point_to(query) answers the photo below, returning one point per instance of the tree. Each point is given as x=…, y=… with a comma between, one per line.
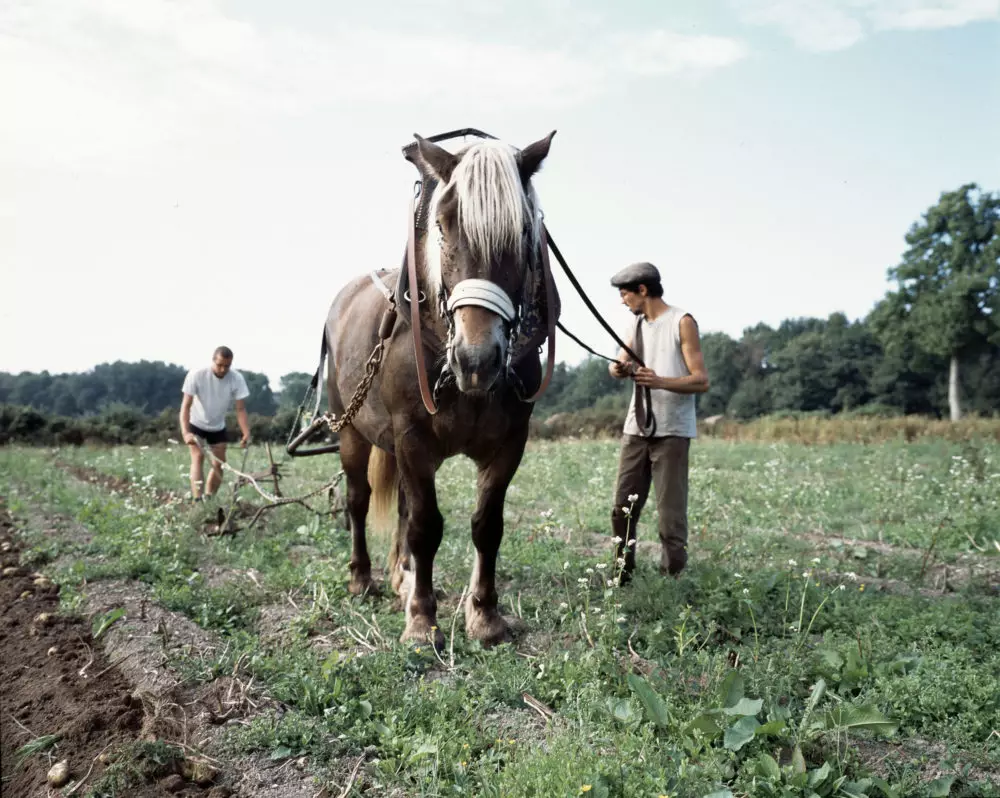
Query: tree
x=293, y=389
x=261, y=400
x=948, y=283
x=721, y=355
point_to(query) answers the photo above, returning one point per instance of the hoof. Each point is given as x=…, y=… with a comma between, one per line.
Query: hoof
x=363, y=587
x=421, y=632
x=486, y=626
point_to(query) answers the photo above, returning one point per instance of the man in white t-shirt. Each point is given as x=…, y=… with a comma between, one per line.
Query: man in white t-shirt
x=661, y=421
x=208, y=392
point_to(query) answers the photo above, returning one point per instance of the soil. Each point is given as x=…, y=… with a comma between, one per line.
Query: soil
x=129, y=695
x=112, y=483
x=42, y=691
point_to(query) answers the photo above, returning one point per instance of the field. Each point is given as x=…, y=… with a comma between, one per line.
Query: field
x=837, y=633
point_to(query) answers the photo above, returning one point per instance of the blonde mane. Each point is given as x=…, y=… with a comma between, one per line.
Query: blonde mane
x=493, y=208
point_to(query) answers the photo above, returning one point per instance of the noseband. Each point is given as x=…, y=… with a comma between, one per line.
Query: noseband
x=483, y=294
x=476, y=293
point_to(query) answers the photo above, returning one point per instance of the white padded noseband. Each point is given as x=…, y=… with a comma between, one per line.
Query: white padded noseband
x=483, y=294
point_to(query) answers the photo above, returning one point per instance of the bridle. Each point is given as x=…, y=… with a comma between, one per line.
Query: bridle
x=481, y=293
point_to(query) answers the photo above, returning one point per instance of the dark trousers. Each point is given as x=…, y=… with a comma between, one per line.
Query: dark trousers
x=662, y=462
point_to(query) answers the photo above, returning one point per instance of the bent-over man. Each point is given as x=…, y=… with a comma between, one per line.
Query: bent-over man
x=208, y=393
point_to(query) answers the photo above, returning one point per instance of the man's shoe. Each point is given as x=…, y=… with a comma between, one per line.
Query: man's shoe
x=673, y=562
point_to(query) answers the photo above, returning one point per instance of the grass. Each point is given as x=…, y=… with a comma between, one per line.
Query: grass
x=836, y=633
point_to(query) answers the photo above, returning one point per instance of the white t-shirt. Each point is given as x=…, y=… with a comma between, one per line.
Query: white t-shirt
x=661, y=344
x=212, y=396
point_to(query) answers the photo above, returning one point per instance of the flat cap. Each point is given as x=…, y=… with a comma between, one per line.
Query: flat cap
x=636, y=273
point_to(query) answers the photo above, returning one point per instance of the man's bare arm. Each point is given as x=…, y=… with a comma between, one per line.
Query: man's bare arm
x=186, y=434
x=697, y=380
x=243, y=420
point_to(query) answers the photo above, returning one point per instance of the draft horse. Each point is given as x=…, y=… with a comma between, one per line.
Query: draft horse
x=483, y=247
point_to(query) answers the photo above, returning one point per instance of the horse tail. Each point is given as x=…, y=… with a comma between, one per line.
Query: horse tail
x=383, y=478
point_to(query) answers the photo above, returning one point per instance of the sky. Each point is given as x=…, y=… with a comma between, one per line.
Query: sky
x=180, y=174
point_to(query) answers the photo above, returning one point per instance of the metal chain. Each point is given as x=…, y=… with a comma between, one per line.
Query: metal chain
x=360, y=394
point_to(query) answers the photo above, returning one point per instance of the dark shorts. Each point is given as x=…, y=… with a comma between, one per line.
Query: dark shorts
x=210, y=437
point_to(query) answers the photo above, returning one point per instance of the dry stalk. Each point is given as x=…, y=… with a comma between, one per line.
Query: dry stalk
x=354, y=775
x=90, y=770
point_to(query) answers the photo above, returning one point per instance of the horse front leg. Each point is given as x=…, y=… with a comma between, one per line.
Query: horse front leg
x=483, y=620
x=424, y=528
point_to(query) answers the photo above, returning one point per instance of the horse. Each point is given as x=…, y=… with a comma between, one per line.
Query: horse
x=483, y=248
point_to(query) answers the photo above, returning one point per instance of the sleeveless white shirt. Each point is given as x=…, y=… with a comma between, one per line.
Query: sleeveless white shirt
x=661, y=350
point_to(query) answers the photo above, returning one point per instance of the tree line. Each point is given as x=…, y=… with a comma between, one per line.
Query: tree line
x=930, y=346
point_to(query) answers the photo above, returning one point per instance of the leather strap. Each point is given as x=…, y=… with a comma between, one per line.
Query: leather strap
x=418, y=343
x=550, y=307
x=644, y=417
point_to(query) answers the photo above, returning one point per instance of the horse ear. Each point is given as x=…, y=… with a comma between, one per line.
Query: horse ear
x=431, y=160
x=531, y=157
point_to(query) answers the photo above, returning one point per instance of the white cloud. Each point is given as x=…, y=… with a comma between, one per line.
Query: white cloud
x=112, y=79
x=926, y=15
x=661, y=52
x=818, y=25
x=827, y=25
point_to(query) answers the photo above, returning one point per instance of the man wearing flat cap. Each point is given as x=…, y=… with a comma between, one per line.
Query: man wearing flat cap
x=661, y=421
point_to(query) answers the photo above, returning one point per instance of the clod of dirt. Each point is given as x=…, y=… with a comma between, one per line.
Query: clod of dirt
x=43, y=619
x=173, y=783
x=11, y=570
x=59, y=774
x=53, y=650
x=220, y=792
x=44, y=583
x=200, y=773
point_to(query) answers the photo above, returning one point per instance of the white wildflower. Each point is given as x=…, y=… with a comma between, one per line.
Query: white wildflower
x=633, y=497
x=601, y=566
x=792, y=563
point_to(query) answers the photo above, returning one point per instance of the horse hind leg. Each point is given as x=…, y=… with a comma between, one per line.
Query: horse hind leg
x=355, y=452
x=400, y=567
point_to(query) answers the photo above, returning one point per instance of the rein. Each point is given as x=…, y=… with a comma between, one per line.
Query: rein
x=418, y=341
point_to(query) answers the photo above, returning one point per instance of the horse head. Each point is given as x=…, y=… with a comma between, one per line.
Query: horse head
x=484, y=226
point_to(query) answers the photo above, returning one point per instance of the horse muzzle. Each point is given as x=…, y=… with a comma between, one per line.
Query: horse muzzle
x=481, y=311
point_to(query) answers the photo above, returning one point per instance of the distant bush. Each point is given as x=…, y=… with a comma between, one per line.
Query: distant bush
x=120, y=424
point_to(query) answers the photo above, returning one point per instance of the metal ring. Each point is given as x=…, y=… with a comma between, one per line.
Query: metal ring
x=423, y=297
